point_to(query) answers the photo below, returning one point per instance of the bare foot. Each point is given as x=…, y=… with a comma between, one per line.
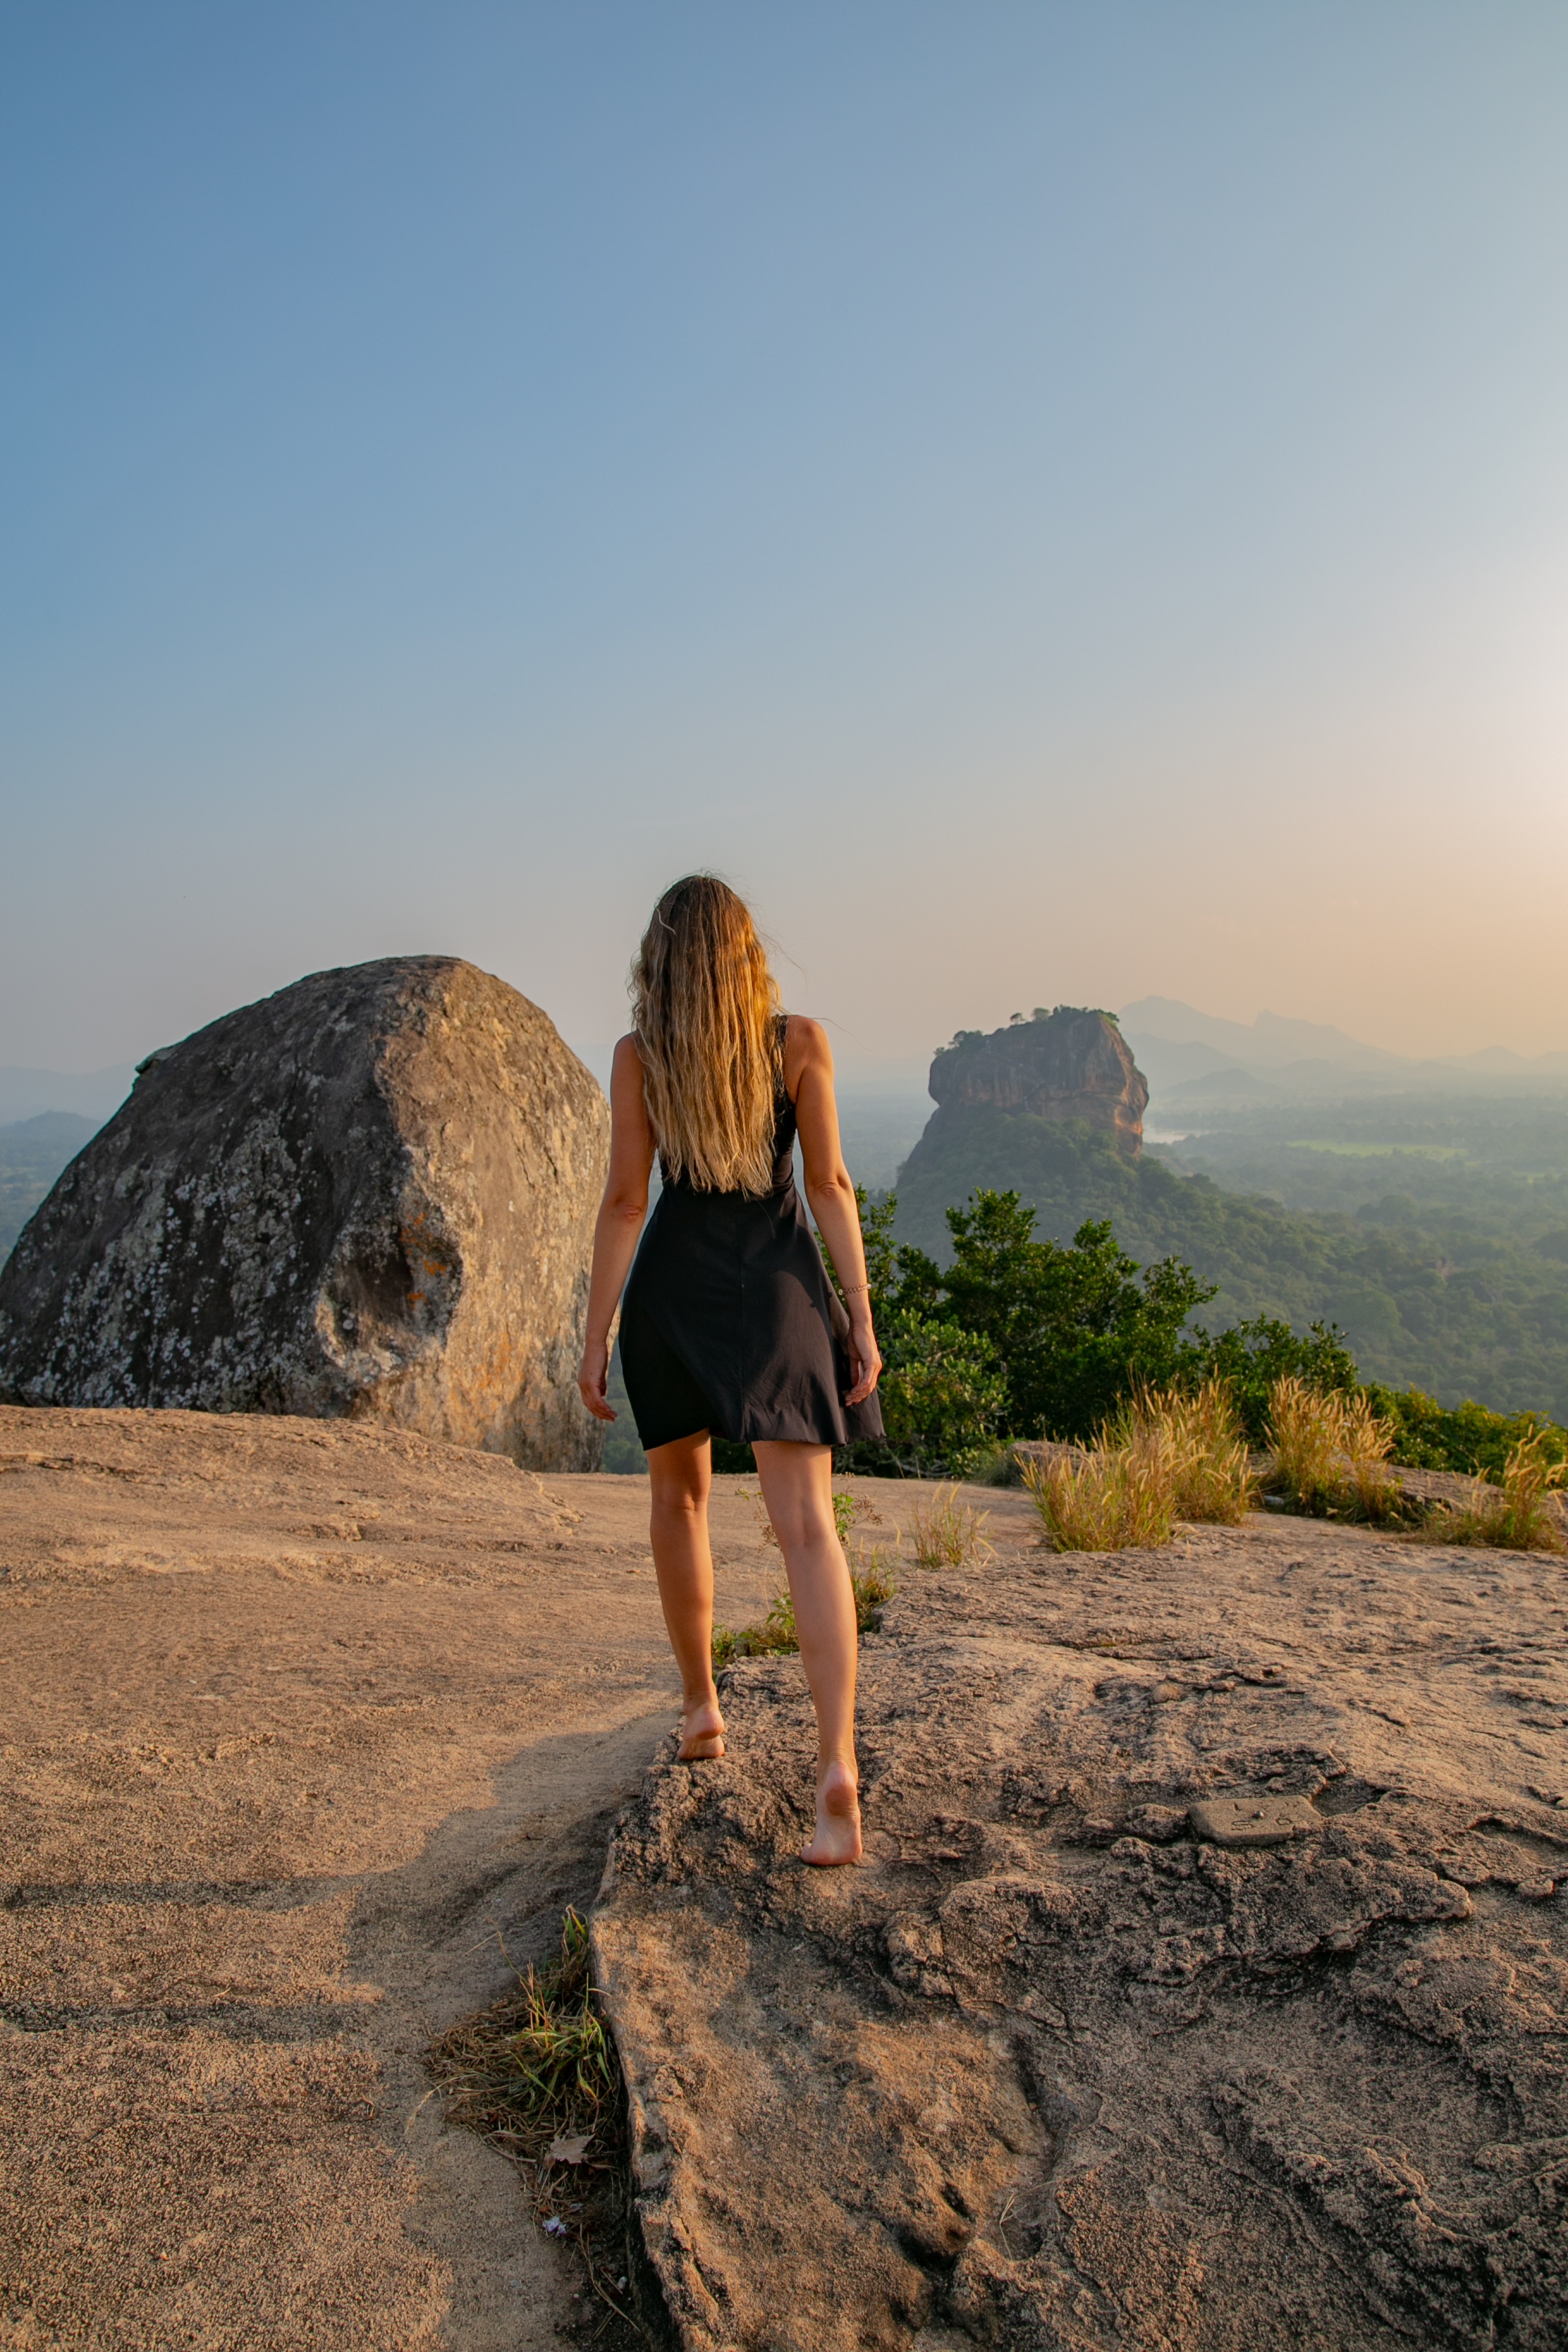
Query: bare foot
x=837, y=1834
x=702, y=1734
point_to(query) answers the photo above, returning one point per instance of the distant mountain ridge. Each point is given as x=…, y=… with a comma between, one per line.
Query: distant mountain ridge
x=1191, y=1056
x=91, y=1094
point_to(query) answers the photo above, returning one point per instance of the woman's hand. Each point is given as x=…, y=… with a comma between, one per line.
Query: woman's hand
x=865, y=1359
x=593, y=1378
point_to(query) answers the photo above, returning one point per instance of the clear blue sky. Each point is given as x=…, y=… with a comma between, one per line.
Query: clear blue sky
x=1056, y=501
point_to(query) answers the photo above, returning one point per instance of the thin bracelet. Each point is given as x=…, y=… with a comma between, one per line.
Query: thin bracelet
x=851, y=1287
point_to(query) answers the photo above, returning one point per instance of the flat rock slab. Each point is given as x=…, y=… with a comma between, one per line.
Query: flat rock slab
x=1058, y=2069
x=1255, y=1821
x=305, y=1727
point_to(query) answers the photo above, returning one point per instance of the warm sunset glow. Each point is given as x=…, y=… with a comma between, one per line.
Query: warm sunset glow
x=1055, y=503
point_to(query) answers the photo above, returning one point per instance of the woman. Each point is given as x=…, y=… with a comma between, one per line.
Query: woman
x=730, y=1323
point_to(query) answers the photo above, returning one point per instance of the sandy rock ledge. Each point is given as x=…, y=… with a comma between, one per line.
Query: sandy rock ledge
x=1054, y=2070
x=309, y=1730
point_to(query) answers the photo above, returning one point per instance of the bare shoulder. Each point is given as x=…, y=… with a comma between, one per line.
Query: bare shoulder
x=626, y=1074
x=805, y=1048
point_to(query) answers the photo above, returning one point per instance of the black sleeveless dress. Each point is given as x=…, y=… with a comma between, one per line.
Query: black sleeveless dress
x=729, y=1322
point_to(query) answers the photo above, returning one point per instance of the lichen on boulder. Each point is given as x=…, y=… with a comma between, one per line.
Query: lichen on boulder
x=370, y=1195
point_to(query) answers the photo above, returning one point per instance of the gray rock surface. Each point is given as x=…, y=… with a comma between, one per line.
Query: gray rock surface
x=371, y=1195
x=1066, y=2065
x=1074, y=1064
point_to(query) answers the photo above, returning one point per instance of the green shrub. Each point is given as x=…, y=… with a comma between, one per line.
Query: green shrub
x=942, y=1389
x=1015, y=1334
x=1252, y=1356
x=1466, y=1437
x=1018, y=1335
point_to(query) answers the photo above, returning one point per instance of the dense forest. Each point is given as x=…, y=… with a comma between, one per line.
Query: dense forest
x=1453, y=1280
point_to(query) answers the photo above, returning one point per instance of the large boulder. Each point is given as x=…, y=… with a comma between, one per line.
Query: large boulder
x=1069, y=1063
x=371, y=1195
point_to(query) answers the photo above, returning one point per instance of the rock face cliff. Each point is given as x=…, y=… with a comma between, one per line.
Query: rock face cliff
x=370, y=1195
x=1205, y=1986
x=1069, y=1063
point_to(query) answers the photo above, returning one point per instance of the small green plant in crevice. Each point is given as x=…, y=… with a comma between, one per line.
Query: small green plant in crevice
x=870, y=1582
x=537, y=2076
x=1520, y=1515
x=537, y=2065
x=774, y=1637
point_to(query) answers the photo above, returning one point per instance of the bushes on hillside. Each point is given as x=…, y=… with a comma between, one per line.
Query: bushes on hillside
x=1466, y=1437
x=1023, y=1337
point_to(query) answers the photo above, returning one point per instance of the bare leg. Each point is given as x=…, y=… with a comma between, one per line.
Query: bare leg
x=798, y=1486
x=682, y=1474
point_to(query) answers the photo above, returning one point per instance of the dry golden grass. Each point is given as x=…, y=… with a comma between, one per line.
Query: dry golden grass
x=1303, y=1440
x=1198, y=1440
x=946, y=1533
x=1166, y=1456
x=1367, y=1442
x=1520, y=1515
x=1330, y=1452
x=1113, y=1498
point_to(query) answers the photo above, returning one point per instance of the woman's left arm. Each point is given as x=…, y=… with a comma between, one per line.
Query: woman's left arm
x=621, y=1214
x=808, y=1073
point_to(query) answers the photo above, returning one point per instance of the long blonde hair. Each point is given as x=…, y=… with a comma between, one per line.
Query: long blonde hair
x=705, y=1009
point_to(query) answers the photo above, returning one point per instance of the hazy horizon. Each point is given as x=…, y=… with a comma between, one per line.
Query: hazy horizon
x=1056, y=504
x=869, y=1073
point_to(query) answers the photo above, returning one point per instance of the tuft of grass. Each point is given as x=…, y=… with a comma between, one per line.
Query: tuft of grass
x=537, y=2076
x=537, y=2065
x=1168, y=1455
x=774, y=1637
x=1195, y=1438
x=1303, y=1434
x=946, y=1533
x=1518, y=1516
x=1330, y=1452
x=1368, y=1441
x=1110, y=1498
x=873, y=1587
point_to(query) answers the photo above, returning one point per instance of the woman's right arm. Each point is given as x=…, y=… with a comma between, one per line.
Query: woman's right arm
x=621, y=1214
